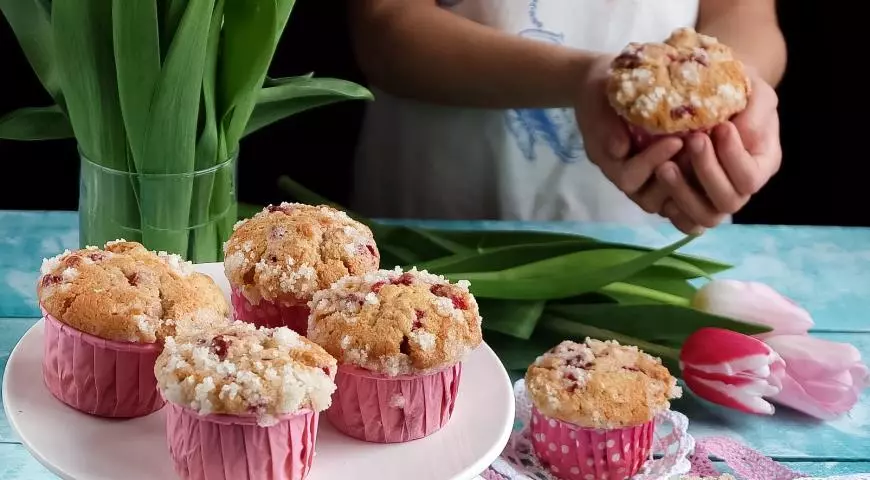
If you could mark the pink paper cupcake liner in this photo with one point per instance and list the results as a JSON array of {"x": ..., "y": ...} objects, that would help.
[
  {"x": 383, "y": 409},
  {"x": 577, "y": 453},
  {"x": 271, "y": 314},
  {"x": 97, "y": 376},
  {"x": 228, "y": 447}
]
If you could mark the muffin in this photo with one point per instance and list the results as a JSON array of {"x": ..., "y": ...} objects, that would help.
[
  {"x": 276, "y": 260},
  {"x": 106, "y": 315},
  {"x": 689, "y": 83},
  {"x": 400, "y": 338},
  {"x": 594, "y": 406},
  {"x": 244, "y": 402}
]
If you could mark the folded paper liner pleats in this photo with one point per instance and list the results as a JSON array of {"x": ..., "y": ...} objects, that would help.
[
  {"x": 228, "y": 447},
  {"x": 97, "y": 376},
  {"x": 382, "y": 409}
]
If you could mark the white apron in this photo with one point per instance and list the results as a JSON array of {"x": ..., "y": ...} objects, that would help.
[{"x": 418, "y": 160}]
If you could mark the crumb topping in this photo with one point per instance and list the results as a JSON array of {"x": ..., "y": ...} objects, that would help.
[
  {"x": 240, "y": 369},
  {"x": 599, "y": 384},
  {"x": 396, "y": 323},
  {"x": 690, "y": 82},
  {"x": 287, "y": 252},
  {"x": 129, "y": 294}
]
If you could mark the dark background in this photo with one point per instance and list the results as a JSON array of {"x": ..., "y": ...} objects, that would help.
[{"x": 822, "y": 108}]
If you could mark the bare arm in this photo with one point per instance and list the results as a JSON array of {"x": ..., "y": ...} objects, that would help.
[
  {"x": 751, "y": 28},
  {"x": 413, "y": 48}
]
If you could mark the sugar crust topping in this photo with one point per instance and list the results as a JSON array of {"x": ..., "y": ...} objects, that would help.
[
  {"x": 396, "y": 323},
  {"x": 287, "y": 252},
  {"x": 598, "y": 384},
  {"x": 244, "y": 370},
  {"x": 126, "y": 293},
  {"x": 690, "y": 82}
]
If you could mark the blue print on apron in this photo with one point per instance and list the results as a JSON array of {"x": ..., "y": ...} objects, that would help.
[{"x": 554, "y": 127}]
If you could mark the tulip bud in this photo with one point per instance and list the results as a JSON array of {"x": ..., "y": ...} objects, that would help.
[
  {"x": 822, "y": 378},
  {"x": 753, "y": 302},
  {"x": 731, "y": 369}
]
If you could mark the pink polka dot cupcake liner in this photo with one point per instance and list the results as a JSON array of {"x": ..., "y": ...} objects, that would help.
[
  {"x": 229, "y": 447},
  {"x": 380, "y": 409},
  {"x": 99, "y": 377},
  {"x": 271, "y": 314},
  {"x": 576, "y": 453}
]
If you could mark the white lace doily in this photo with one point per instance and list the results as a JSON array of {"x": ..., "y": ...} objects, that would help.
[{"x": 672, "y": 443}]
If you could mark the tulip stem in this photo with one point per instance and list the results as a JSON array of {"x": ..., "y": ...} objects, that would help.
[{"x": 644, "y": 292}]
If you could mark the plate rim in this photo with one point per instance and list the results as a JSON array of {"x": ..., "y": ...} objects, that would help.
[{"x": 472, "y": 471}]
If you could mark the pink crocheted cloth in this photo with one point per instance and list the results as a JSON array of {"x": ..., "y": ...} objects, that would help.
[{"x": 744, "y": 461}]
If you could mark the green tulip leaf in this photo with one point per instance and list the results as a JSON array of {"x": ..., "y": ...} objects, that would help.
[
  {"x": 654, "y": 323},
  {"x": 39, "y": 123},
  {"x": 564, "y": 276},
  {"x": 511, "y": 317}
]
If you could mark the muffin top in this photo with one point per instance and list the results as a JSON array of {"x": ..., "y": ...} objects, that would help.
[
  {"x": 396, "y": 323},
  {"x": 287, "y": 252},
  {"x": 240, "y": 369},
  {"x": 599, "y": 384},
  {"x": 129, "y": 294},
  {"x": 690, "y": 82}
]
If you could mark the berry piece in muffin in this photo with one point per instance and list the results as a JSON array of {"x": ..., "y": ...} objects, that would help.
[
  {"x": 396, "y": 323},
  {"x": 690, "y": 82},
  {"x": 400, "y": 338},
  {"x": 278, "y": 259},
  {"x": 244, "y": 370},
  {"x": 126, "y": 293}
]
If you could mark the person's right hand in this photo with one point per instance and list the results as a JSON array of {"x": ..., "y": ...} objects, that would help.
[{"x": 608, "y": 145}]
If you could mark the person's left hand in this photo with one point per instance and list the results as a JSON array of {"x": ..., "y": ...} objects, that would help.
[{"x": 731, "y": 164}]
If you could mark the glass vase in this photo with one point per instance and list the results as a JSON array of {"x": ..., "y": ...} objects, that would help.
[{"x": 190, "y": 214}]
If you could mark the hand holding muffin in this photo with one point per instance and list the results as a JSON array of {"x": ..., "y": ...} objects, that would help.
[{"x": 692, "y": 87}]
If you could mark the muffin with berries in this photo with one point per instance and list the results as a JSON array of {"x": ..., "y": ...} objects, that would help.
[
  {"x": 278, "y": 259},
  {"x": 400, "y": 339},
  {"x": 689, "y": 83},
  {"x": 107, "y": 312},
  {"x": 243, "y": 402},
  {"x": 594, "y": 406}
]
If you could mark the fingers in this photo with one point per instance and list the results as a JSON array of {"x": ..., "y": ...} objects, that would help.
[
  {"x": 695, "y": 205},
  {"x": 711, "y": 177},
  {"x": 741, "y": 167},
  {"x": 651, "y": 198},
  {"x": 680, "y": 220},
  {"x": 631, "y": 175}
]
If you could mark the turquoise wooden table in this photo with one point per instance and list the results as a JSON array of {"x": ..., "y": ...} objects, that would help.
[{"x": 827, "y": 270}]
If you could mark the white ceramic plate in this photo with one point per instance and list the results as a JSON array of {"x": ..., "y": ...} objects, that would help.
[{"x": 81, "y": 447}]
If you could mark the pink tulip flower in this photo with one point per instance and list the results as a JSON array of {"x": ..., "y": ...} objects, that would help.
[
  {"x": 731, "y": 369},
  {"x": 753, "y": 302},
  {"x": 822, "y": 378}
]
